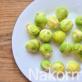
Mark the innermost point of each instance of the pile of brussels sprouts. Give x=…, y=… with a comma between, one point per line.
x=55, y=28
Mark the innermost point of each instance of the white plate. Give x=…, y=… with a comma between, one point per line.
x=25, y=60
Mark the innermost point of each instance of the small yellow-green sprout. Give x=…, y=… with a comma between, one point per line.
x=59, y=36
x=46, y=50
x=45, y=35
x=73, y=67
x=78, y=22
x=32, y=29
x=53, y=22
x=66, y=25
x=41, y=20
x=45, y=65
x=32, y=45
x=58, y=67
x=77, y=50
x=66, y=48
x=77, y=35
x=79, y=57
x=61, y=13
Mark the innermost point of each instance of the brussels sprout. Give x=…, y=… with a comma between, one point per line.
x=41, y=19
x=45, y=65
x=33, y=45
x=72, y=67
x=76, y=47
x=66, y=25
x=46, y=50
x=53, y=22
x=79, y=56
x=78, y=22
x=45, y=35
x=61, y=13
x=32, y=29
x=58, y=67
x=59, y=36
x=77, y=35
x=77, y=50
x=66, y=48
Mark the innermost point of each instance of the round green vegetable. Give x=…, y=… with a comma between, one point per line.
x=46, y=50
x=66, y=48
x=59, y=36
x=77, y=50
x=79, y=55
x=72, y=67
x=32, y=45
x=78, y=21
x=53, y=22
x=77, y=35
x=58, y=67
x=66, y=25
x=61, y=13
x=45, y=65
x=32, y=29
x=45, y=35
x=41, y=20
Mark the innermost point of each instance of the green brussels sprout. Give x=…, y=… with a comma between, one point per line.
x=57, y=67
x=78, y=22
x=61, y=13
x=76, y=47
x=77, y=50
x=66, y=48
x=32, y=29
x=72, y=67
x=66, y=25
x=80, y=51
x=59, y=36
x=79, y=56
x=45, y=65
x=41, y=19
x=45, y=35
x=46, y=50
x=53, y=22
x=77, y=35
x=32, y=45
